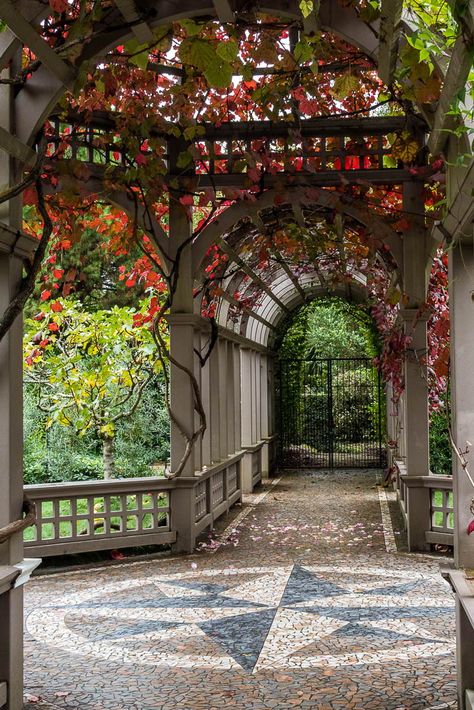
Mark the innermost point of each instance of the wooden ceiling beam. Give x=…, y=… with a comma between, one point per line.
x=27, y=34
x=140, y=29
x=257, y=220
x=227, y=249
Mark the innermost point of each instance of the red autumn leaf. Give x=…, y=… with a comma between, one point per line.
x=57, y=307
x=39, y=316
x=140, y=159
x=53, y=327
x=45, y=295
x=57, y=273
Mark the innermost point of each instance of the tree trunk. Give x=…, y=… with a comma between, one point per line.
x=109, y=457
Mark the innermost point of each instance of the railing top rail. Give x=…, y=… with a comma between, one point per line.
x=98, y=487
x=323, y=126
x=432, y=481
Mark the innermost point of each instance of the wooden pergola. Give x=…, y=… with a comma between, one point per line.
x=236, y=382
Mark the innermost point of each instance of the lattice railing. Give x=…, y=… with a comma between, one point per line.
x=442, y=513
x=218, y=489
x=246, y=150
x=437, y=494
x=98, y=515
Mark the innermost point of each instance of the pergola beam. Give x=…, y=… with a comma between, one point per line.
x=227, y=249
x=455, y=80
x=389, y=37
x=256, y=219
x=25, y=32
x=14, y=147
x=224, y=11
x=140, y=29
x=234, y=302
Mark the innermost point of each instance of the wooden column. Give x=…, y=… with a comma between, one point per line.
x=416, y=426
x=215, y=402
x=206, y=394
x=461, y=299
x=223, y=385
x=11, y=431
x=247, y=399
x=231, y=447
x=237, y=398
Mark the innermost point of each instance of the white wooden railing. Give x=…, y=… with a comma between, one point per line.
x=87, y=516
x=439, y=490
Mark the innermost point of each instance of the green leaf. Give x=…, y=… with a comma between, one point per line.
x=344, y=85
x=228, y=50
x=191, y=27
x=303, y=52
x=202, y=54
x=219, y=76
x=184, y=159
x=306, y=7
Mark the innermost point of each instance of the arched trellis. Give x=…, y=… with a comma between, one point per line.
x=286, y=289
x=34, y=103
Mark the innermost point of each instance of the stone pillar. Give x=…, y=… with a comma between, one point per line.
x=416, y=429
x=461, y=299
x=246, y=396
x=182, y=339
x=253, y=375
x=416, y=425
x=11, y=485
x=215, y=402
x=231, y=447
x=237, y=395
x=181, y=396
x=264, y=415
x=11, y=428
x=223, y=389
x=205, y=395
x=247, y=416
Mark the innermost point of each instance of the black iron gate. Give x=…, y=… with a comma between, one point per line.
x=330, y=414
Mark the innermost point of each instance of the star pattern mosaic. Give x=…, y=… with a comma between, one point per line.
x=253, y=619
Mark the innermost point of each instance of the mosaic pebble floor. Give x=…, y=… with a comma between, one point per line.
x=310, y=602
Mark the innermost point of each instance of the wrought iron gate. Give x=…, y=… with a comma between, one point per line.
x=330, y=414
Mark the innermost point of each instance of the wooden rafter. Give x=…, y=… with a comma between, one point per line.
x=455, y=80
x=389, y=36
x=227, y=249
x=25, y=32
x=140, y=29
x=279, y=258
x=14, y=147
x=234, y=302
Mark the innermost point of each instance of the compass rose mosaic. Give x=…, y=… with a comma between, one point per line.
x=253, y=619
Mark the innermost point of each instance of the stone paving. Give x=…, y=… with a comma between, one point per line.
x=298, y=605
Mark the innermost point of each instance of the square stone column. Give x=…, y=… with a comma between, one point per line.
x=231, y=445
x=416, y=427
x=222, y=385
x=184, y=337
x=11, y=484
x=461, y=299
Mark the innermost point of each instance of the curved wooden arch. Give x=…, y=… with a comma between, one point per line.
x=324, y=198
